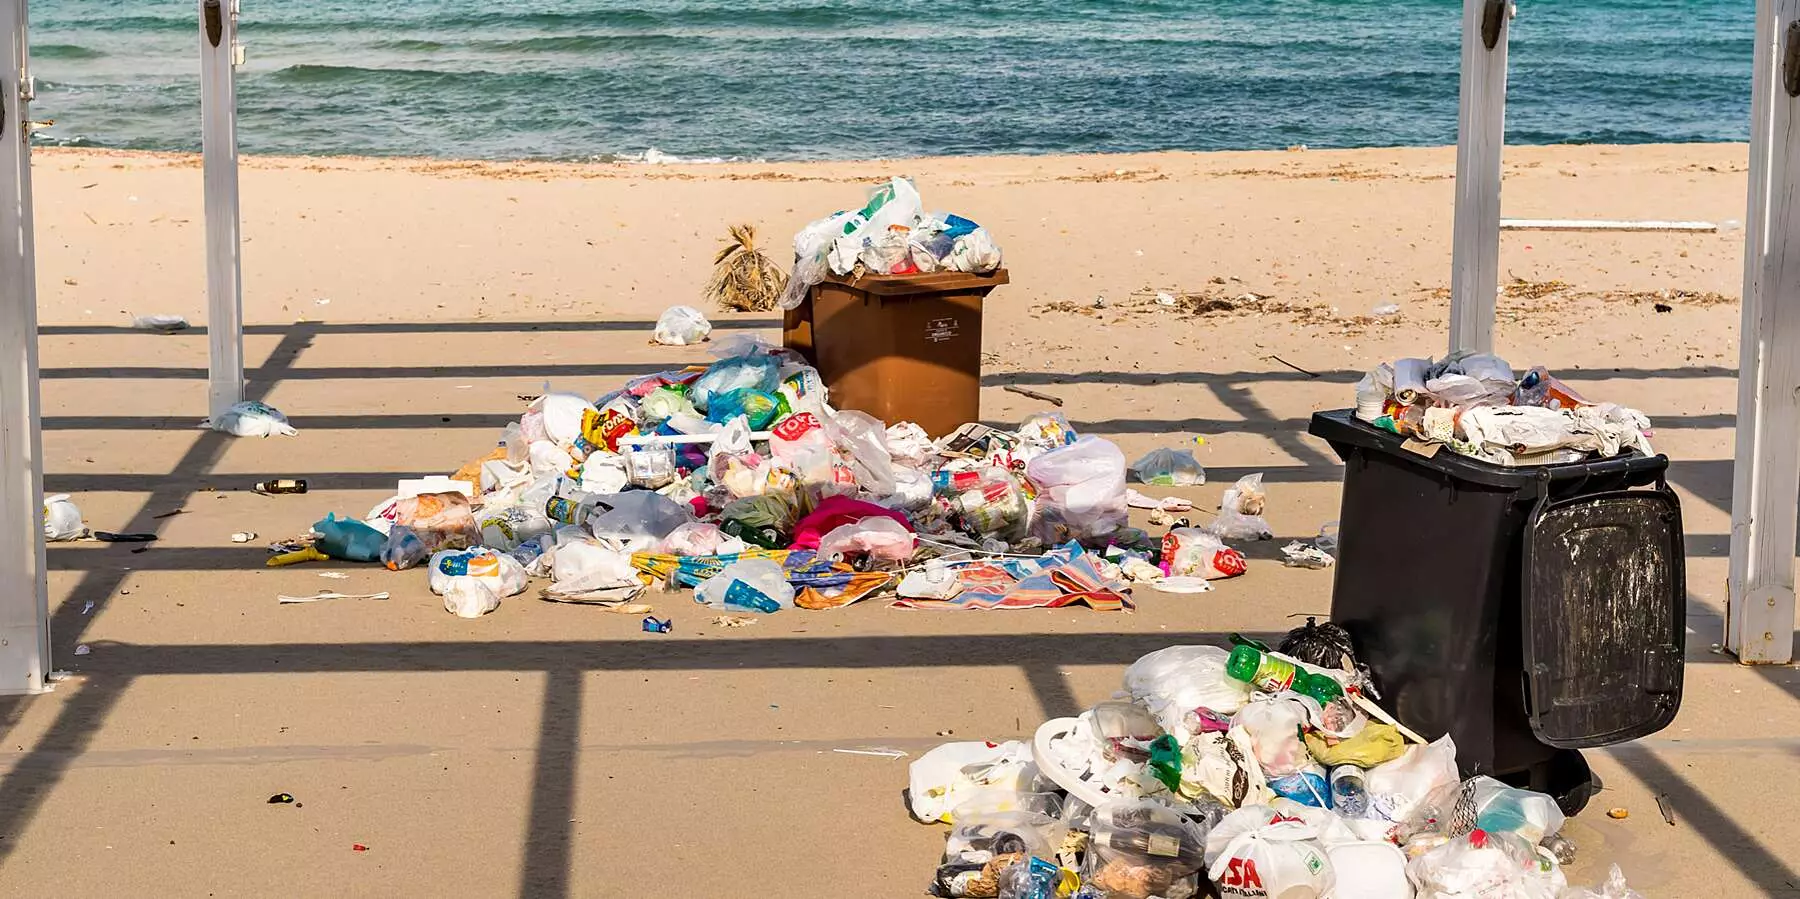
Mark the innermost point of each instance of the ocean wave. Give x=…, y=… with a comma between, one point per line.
x=412, y=44
x=65, y=51
x=321, y=74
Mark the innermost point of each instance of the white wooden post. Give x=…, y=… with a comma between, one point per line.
x=24, y=598
x=1480, y=135
x=224, y=273
x=1759, y=619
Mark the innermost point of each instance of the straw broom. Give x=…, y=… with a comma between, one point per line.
x=743, y=279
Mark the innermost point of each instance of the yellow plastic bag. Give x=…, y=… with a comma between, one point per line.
x=1374, y=744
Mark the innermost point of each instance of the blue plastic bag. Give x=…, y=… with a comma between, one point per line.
x=759, y=407
x=753, y=371
x=348, y=539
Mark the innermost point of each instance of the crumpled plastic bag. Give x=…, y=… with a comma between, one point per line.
x=1192, y=552
x=558, y=416
x=1174, y=681
x=1486, y=865
x=975, y=252
x=1081, y=491
x=748, y=585
x=1274, y=724
x=880, y=539
x=62, y=520
x=699, y=538
x=909, y=445
x=944, y=778
x=472, y=581
x=505, y=527
x=1374, y=744
x=1398, y=787
x=1168, y=468
x=403, y=549
x=1259, y=851
x=681, y=326
x=1241, y=511
x=1613, y=888
x=750, y=366
x=581, y=566
x=1142, y=849
x=252, y=419
x=863, y=438
x=664, y=403
x=638, y=514
x=895, y=203
x=441, y=520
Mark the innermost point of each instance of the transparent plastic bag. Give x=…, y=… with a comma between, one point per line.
x=1168, y=468
x=1192, y=552
x=403, y=549
x=1241, y=511
x=638, y=514
x=1274, y=725
x=1489, y=865
x=1081, y=491
x=946, y=777
x=753, y=369
x=681, y=326
x=863, y=439
x=1613, y=888
x=748, y=585
x=1139, y=849
x=1175, y=681
x=1399, y=787
x=874, y=538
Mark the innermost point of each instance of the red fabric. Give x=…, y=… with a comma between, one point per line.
x=835, y=511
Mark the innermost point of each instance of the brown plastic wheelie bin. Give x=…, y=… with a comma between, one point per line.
x=899, y=347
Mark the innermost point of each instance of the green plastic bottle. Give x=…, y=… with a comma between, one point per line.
x=1251, y=663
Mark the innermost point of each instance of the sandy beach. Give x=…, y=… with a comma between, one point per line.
x=400, y=308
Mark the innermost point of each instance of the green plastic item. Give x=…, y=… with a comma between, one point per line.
x=1165, y=762
x=1252, y=663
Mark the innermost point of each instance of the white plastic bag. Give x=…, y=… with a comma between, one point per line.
x=944, y=778
x=472, y=581
x=974, y=252
x=878, y=537
x=895, y=203
x=1488, y=866
x=252, y=419
x=1192, y=552
x=748, y=585
x=1256, y=852
x=581, y=565
x=1168, y=468
x=62, y=520
x=1175, y=681
x=699, y=538
x=1397, y=787
x=681, y=326
x=1369, y=869
x=1081, y=491
x=1274, y=725
x=864, y=439
x=638, y=514
x=909, y=445
x=1613, y=888
x=1241, y=511
x=811, y=247
x=560, y=415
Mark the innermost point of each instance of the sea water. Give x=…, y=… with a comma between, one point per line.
x=656, y=80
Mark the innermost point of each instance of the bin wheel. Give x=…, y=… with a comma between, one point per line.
x=1569, y=781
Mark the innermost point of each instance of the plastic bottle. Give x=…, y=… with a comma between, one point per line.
x=1349, y=792
x=1251, y=663
x=282, y=485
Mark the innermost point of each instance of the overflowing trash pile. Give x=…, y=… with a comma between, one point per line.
x=738, y=479
x=1474, y=404
x=892, y=234
x=1241, y=773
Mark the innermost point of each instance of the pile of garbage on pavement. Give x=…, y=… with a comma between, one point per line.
x=1248, y=773
x=739, y=479
x=1473, y=404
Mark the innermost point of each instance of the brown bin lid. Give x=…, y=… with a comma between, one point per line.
x=932, y=282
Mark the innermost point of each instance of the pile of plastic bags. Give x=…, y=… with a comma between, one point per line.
x=1255, y=772
x=892, y=234
x=1473, y=404
x=739, y=479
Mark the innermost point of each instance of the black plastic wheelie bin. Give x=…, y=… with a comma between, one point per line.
x=1528, y=612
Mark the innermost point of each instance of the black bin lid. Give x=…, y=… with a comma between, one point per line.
x=1604, y=590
